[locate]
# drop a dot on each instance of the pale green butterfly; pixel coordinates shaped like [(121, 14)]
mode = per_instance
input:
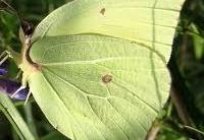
[(97, 68)]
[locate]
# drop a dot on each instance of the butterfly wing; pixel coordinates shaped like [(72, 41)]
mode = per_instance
[(151, 22)]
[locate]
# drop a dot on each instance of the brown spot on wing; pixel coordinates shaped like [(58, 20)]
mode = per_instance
[(107, 78), (103, 11)]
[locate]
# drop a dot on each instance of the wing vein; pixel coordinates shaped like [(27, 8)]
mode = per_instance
[(121, 115)]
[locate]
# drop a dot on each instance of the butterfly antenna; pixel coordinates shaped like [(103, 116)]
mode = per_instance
[(26, 26), (27, 98), (7, 7)]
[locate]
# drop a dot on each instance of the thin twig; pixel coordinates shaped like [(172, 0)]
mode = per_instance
[(180, 107)]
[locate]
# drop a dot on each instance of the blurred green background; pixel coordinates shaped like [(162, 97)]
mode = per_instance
[(183, 115)]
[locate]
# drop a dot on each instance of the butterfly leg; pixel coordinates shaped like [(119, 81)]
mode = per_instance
[(4, 56), (17, 91), (18, 75), (27, 97)]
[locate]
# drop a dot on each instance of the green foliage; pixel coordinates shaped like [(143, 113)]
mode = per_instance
[(14, 117)]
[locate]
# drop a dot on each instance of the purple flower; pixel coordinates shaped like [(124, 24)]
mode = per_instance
[(9, 87), (3, 71), (3, 68)]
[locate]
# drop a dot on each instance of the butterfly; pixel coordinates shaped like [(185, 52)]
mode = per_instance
[(97, 69)]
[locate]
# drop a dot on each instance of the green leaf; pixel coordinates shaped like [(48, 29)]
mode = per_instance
[(198, 41), (7, 107), (97, 68), (54, 136)]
